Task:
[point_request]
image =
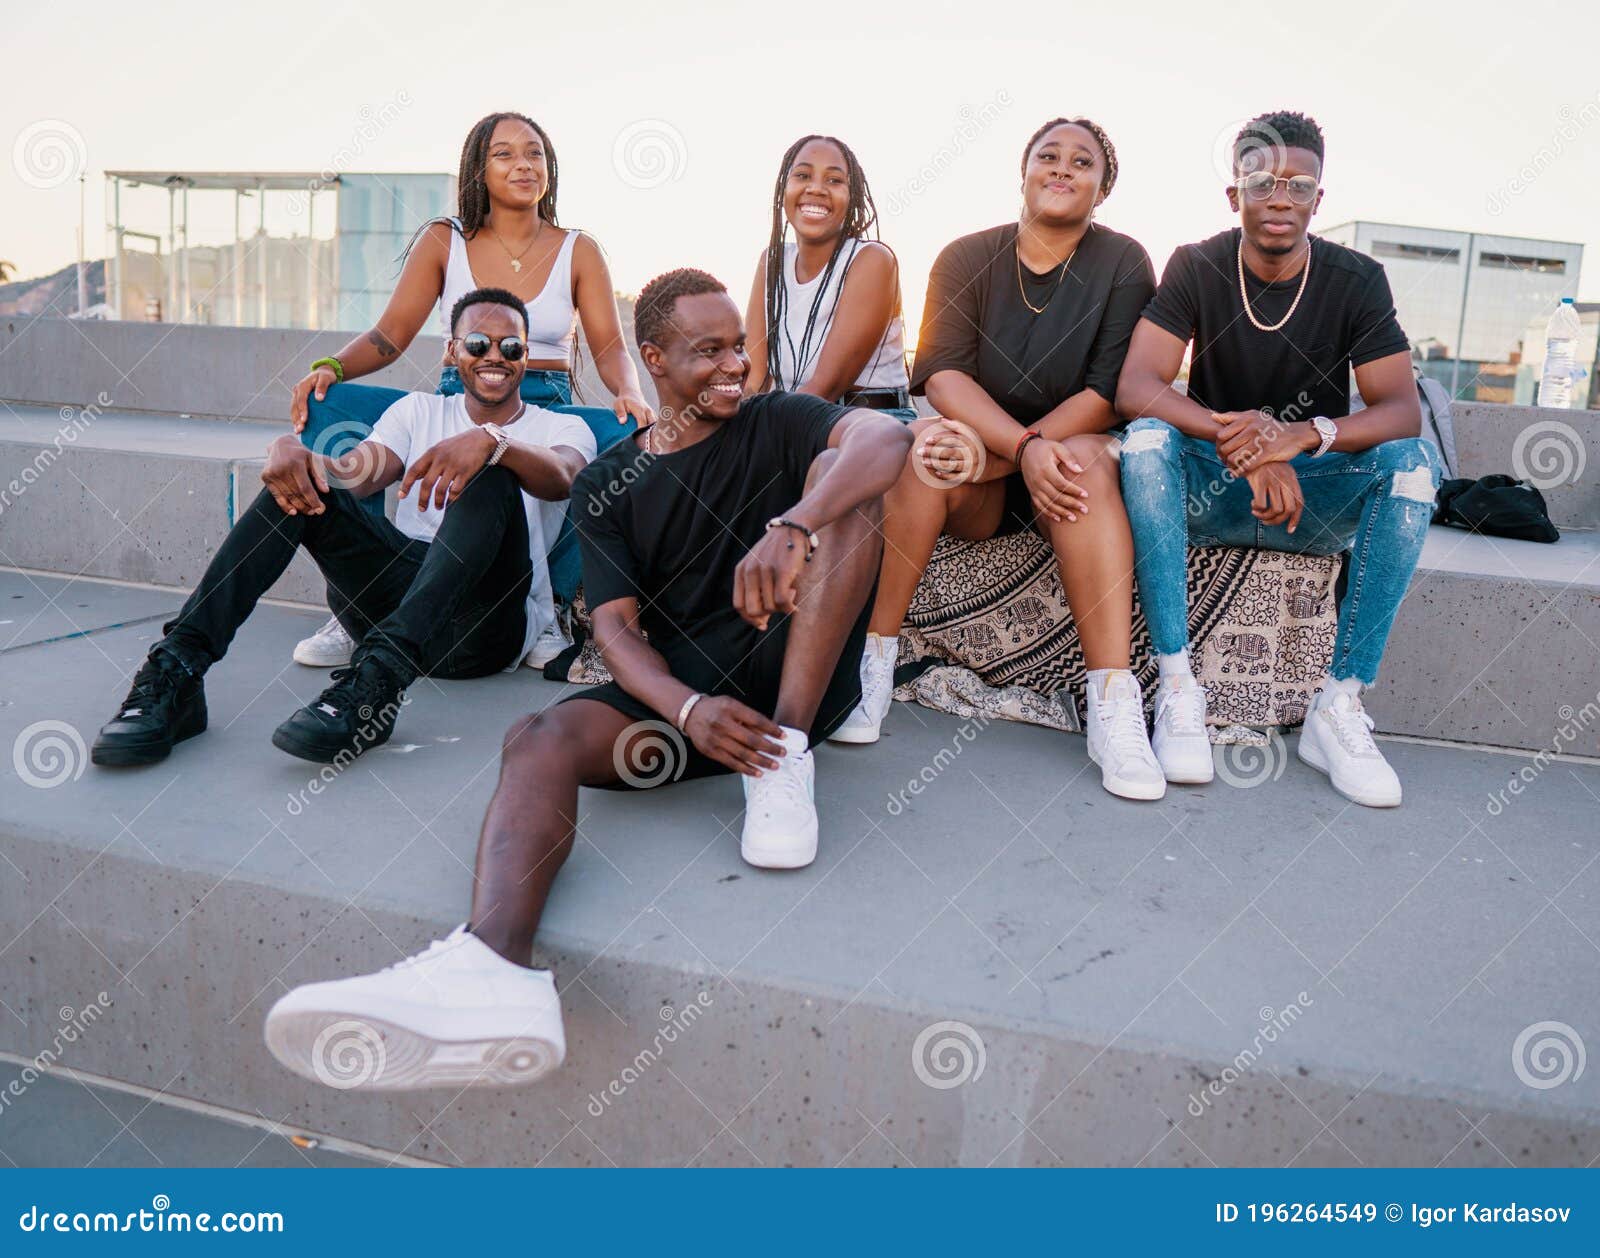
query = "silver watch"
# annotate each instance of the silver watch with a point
(501, 441)
(1327, 430)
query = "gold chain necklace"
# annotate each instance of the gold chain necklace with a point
(1245, 297)
(516, 258)
(1065, 265)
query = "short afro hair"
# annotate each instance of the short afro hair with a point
(652, 309)
(489, 297)
(1268, 134)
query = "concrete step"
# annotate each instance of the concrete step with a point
(1496, 639)
(1239, 975)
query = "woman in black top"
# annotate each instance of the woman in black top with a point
(1024, 332)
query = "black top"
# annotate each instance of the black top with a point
(975, 320)
(1345, 319)
(670, 529)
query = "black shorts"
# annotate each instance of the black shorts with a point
(1017, 515)
(743, 663)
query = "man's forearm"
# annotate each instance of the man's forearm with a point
(540, 471)
(642, 671)
(1148, 397)
(871, 458)
(1389, 420)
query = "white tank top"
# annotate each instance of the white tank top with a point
(551, 314)
(797, 355)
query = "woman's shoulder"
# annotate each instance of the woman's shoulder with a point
(975, 251)
(1117, 244)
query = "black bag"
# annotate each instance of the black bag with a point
(1499, 506)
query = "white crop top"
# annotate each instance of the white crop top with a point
(551, 315)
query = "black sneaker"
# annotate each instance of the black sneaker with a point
(166, 705)
(351, 716)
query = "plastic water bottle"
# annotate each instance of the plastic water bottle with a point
(1560, 356)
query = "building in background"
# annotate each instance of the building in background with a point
(340, 280)
(1466, 299)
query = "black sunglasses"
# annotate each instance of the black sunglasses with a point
(476, 345)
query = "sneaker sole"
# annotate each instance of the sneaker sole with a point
(1313, 758)
(855, 738)
(319, 753)
(793, 857)
(127, 755)
(411, 1060)
(1141, 791)
(311, 659)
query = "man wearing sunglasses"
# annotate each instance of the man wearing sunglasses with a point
(457, 587)
(1262, 451)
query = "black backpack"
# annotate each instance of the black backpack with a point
(1499, 506)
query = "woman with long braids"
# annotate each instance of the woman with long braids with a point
(505, 236)
(824, 315)
(1023, 337)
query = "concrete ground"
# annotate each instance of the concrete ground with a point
(1259, 973)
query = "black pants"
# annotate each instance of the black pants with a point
(453, 607)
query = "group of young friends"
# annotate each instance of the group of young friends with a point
(750, 545)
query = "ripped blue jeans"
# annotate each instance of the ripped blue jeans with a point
(1376, 504)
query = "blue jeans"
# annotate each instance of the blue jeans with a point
(345, 417)
(1376, 504)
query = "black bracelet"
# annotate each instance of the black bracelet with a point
(812, 540)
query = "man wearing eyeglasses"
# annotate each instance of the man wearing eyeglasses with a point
(1262, 450)
(457, 587)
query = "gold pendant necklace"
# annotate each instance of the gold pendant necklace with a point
(516, 258)
(1065, 265)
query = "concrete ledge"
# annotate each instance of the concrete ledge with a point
(1113, 959)
(1557, 450)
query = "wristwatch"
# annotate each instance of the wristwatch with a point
(501, 441)
(1327, 430)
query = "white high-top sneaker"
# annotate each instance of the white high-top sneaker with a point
(1337, 739)
(547, 645)
(780, 815)
(1179, 740)
(457, 1014)
(329, 647)
(1118, 742)
(865, 721)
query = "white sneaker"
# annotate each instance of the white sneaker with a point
(1118, 742)
(1180, 743)
(547, 646)
(780, 813)
(1337, 740)
(865, 721)
(457, 1014)
(329, 647)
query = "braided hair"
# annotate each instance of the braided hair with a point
(471, 189)
(1109, 178)
(860, 217)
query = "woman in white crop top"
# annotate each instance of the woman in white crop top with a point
(505, 236)
(824, 315)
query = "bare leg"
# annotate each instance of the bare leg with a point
(915, 512)
(528, 830)
(833, 589)
(1095, 555)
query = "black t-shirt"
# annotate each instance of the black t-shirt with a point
(976, 322)
(1345, 319)
(670, 529)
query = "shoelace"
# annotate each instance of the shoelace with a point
(780, 786)
(1123, 719)
(877, 686)
(1353, 728)
(151, 684)
(355, 687)
(333, 629)
(1181, 710)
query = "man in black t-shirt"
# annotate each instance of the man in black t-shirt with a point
(1263, 452)
(730, 553)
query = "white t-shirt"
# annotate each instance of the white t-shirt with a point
(420, 421)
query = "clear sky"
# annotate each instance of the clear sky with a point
(1435, 114)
